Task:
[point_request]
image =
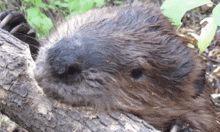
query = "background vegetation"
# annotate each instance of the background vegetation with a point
(42, 15)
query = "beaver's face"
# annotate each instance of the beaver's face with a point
(124, 61)
(86, 69)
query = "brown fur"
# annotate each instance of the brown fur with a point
(96, 59)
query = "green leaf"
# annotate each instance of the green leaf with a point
(32, 11)
(175, 9)
(74, 5)
(207, 33)
(39, 21)
(100, 3)
(36, 2)
(3, 6)
(86, 5)
(26, 1)
(191, 46)
(216, 14)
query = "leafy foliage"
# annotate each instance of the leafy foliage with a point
(42, 15)
(175, 9)
(216, 14)
(42, 23)
(2, 7)
(39, 21)
(207, 33)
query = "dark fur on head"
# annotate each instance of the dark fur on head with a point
(128, 58)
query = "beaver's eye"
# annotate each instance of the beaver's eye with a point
(137, 73)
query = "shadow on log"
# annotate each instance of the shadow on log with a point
(22, 100)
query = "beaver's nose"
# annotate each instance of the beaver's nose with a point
(71, 58)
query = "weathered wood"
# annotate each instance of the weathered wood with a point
(22, 100)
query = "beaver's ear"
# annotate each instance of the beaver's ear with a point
(16, 24)
(200, 83)
(172, 67)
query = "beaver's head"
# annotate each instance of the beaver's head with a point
(132, 59)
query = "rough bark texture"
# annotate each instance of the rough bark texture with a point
(22, 100)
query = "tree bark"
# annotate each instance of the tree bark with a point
(22, 100)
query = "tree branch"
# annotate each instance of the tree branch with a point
(22, 100)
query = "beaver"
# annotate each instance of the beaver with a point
(128, 59)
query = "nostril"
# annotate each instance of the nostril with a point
(74, 70)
